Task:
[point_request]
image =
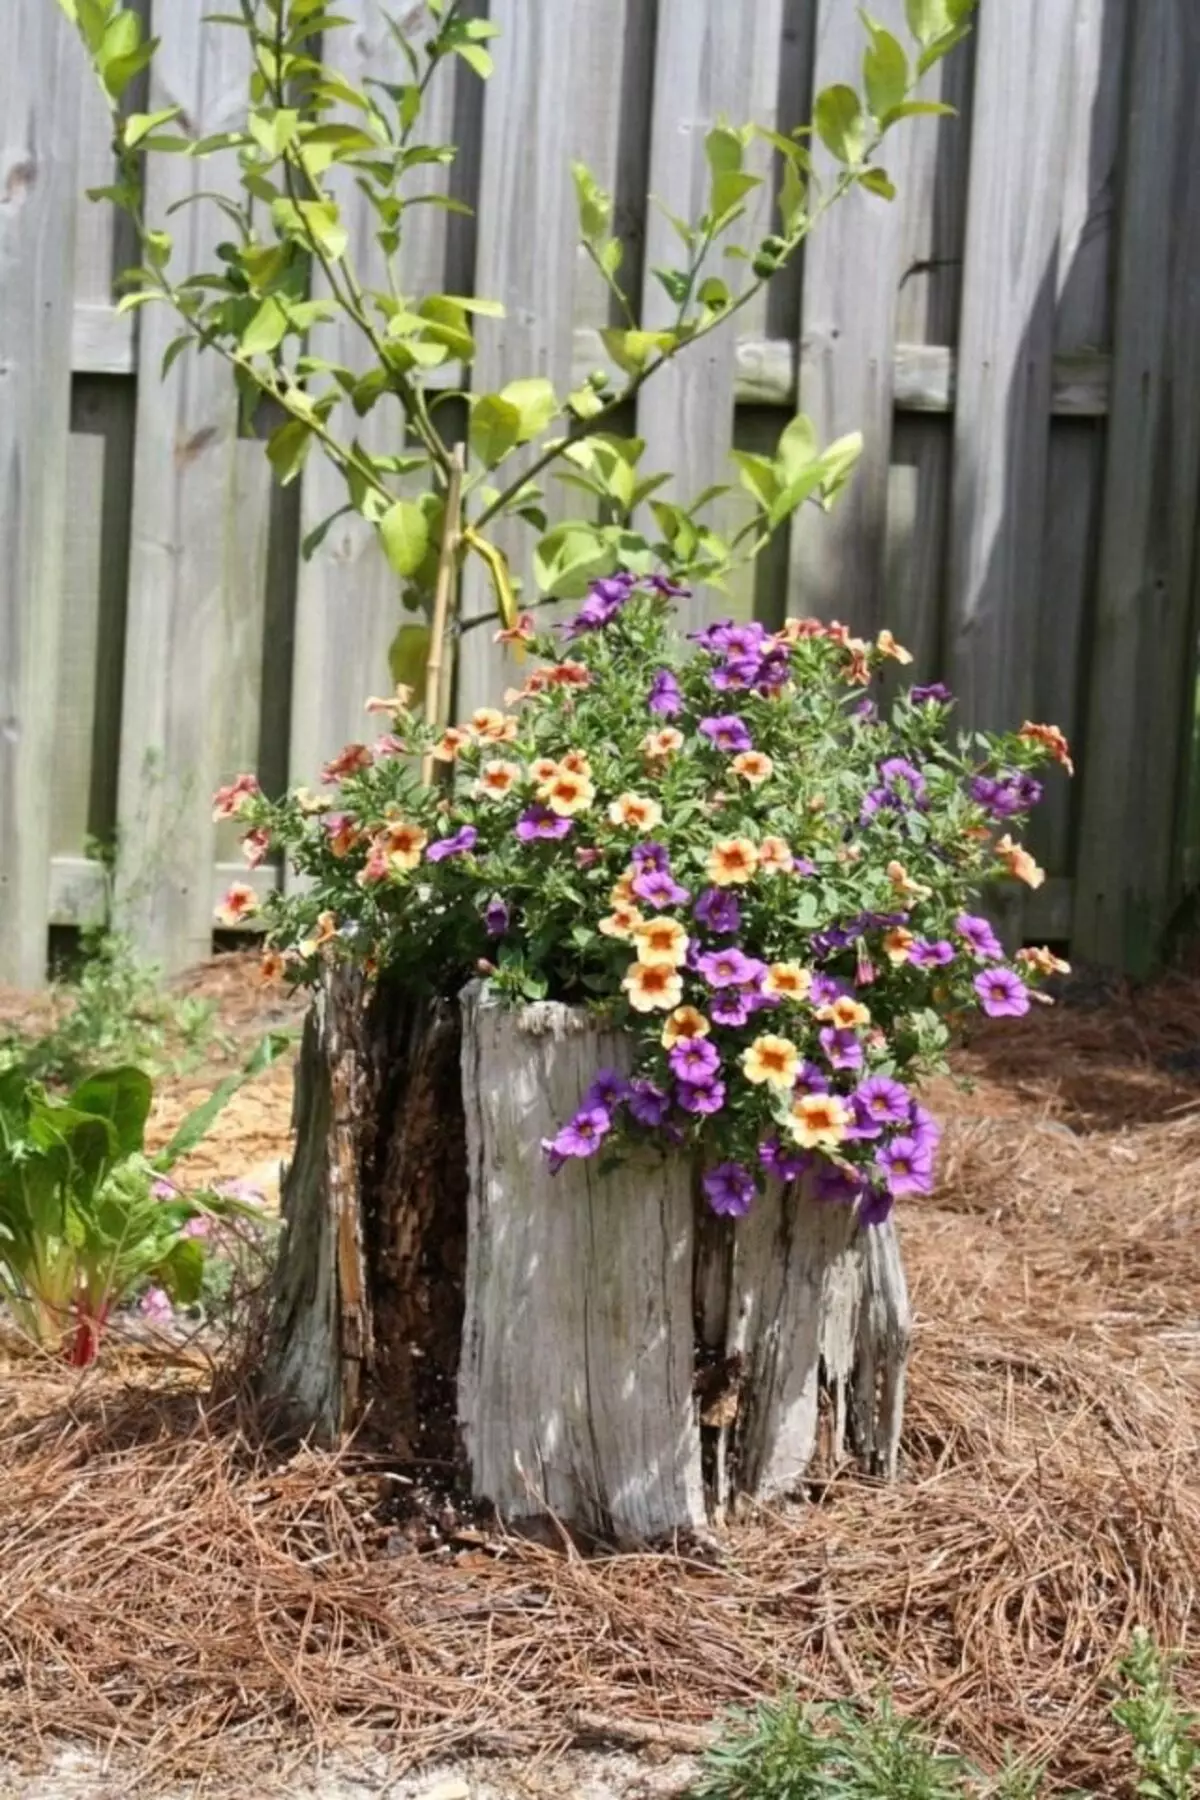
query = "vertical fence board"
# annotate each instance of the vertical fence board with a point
(710, 59)
(1142, 650)
(915, 550)
(40, 77)
(185, 587)
(1002, 419)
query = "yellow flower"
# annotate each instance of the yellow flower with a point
(491, 726)
(1018, 862)
(653, 987)
(240, 902)
(402, 844)
(451, 742)
(661, 941)
(309, 803)
(1043, 961)
(544, 769)
(684, 1024)
(576, 763)
(622, 893)
(787, 980)
(636, 812)
(886, 644)
(846, 1013)
(903, 885)
(773, 1060)
(566, 793)
(819, 1121)
(775, 856)
(658, 745)
(325, 933)
(621, 922)
(753, 767)
(497, 779)
(732, 862)
(896, 945)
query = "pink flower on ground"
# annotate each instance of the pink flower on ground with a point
(156, 1306)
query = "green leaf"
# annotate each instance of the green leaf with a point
(793, 196)
(725, 149)
(927, 19)
(316, 537)
(915, 109)
(797, 448)
(122, 1096)
(447, 325)
(140, 125)
(173, 352)
(595, 206)
(495, 428)
(266, 330)
(287, 448)
(199, 1121)
(677, 284)
(837, 465)
(758, 476)
(714, 293)
(840, 123)
(404, 531)
(885, 72)
(476, 57)
(570, 557)
(631, 350)
(940, 47)
(472, 303)
(729, 190)
(878, 181)
(794, 494)
(408, 656)
(535, 402)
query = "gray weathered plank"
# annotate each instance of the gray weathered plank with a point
(185, 586)
(40, 76)
(1001, 431)
(1143, 642)
(915, 566)
(710, 59)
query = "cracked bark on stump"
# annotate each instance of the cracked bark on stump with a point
(598, 1347)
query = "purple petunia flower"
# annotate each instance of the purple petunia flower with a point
(865, 971)
(886, 1101)
(730, 968)
(609, 1090)
(727, 733)
(810, 1079)
(784, 1161)
(717, 909)
(670, 590)
(496, 918)
(647, 1103)
(906, 1167)
(836, 1184)
(933, 690)
(802, 866)
(826, 989)
(923, 955)
(875, 800)
(583, 1135)
(736, 675)
(695, 1060)
(700, 1097)
(842, 1049)
(458, 845)
(730, 1189)
(924, 1129)
(900, 777)
(865, 710)
(876, 1204)
(731, 1006)
(665, 697)
(742, 640)
(978, 935)
(659, 888)
(538, 821)
(652, 858)
(774, 672)
(1002, 994)
(1005, 795)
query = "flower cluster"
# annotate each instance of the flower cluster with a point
(727, 850)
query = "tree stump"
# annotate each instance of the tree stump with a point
(595, 1348)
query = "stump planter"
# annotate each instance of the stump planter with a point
(593, 1346)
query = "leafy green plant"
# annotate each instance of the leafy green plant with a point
(84, 1220)
(287, 266)
(1166, 1737)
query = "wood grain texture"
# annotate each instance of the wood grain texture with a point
(711, 59)
(575, 1385)
(40, 76)
(1142, 647)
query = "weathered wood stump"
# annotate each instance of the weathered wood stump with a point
(595, 1347)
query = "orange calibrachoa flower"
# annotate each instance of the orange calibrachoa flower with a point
(569, 674)
(327, 930)
(635, 811)
(1043, 961)
(896, 945)
(661, 941)
(452, 740)
(544, 769)
(794, 631)
(566, 794)
(753, 767)
(348, 761)
(229, 801)
(775, 856)
(520, 633)
(903, 884)
(255, 847)
(684, 1024)
(886, 644)
(1018, 862)
(343, 835)
(240, 902)
(392, 703)
(771, 1060)
(576, 763)
(271, 967)
(496, 779)
(732, 862)
(657, 746)
(487, 723)
(310, 803)
(1052, 739)
(819, 1121)
(787, 981)
(621, 922)
(846, 1013)
(403, 843)
(653, 987)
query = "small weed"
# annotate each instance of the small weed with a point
(1166, 1737)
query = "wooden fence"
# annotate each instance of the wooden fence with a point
(1018, 336)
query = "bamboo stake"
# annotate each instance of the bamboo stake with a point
(441, 601)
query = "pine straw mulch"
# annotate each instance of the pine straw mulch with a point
(172, 1589)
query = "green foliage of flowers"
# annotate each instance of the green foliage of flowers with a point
(86, 1219)
(725, 849)
(1166, 1737)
